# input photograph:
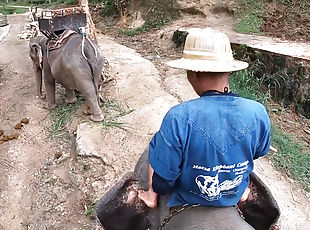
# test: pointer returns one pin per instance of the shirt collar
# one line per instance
(218, 93)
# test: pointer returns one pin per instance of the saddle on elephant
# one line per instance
(56, 43)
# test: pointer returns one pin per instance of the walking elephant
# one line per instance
(74, 62)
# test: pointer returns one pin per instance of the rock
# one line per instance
(89, 142)
(25, 121)
(195, 5)
(1, 132)
(1, 142)
(18, 126)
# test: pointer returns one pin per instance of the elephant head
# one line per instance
(36, 47)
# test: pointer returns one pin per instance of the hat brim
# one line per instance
(208, 65)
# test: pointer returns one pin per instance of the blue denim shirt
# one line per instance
(206, 147)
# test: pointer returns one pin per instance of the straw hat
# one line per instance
(207, 50)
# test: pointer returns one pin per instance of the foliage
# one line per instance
(250, 15)
(109, 8)
(247, 85)
(10, 10)
(245, 82)
(249, 24)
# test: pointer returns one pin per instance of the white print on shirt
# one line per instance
(210, 186)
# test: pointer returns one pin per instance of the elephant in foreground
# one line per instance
(75, 62)
(121, 209)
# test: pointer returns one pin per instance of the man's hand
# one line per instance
(245, 195)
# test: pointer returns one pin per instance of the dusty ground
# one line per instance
(37, 190)
(40, 191)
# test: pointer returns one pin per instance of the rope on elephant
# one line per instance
(91, 43)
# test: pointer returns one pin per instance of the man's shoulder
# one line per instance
(183, 108)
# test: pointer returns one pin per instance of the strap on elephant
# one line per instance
(175, 211)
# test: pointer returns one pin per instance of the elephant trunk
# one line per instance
(38, 75)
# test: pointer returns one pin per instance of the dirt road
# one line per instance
(32, 193)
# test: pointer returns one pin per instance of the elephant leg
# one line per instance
(71, 98)
(87, 110)
(49, 82)
(38, 75)
(97, 114)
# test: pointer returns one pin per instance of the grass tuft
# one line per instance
(247, 85)
(90, 209)
(250, 15)
(62, 116)
(291, 158)
(109, 9)
(113, 110)
(249, 24)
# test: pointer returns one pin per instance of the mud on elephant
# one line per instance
(75, 62)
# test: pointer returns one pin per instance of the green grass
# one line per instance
(109, 9)
(64, 113)
(292, 158)
(248, 86)
(11, 10)
(249, 24)
(249, 14)
(62, 116)
(89, 210)
(113, 110)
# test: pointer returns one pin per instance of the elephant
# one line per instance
(76, 64)
(121, 209)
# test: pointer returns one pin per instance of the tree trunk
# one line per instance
(91, 30)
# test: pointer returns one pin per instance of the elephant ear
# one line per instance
(37, 50)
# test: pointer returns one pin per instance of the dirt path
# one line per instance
(34, 188)
(17, 102)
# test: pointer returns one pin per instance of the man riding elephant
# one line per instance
(204, 151)
(200, 162)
